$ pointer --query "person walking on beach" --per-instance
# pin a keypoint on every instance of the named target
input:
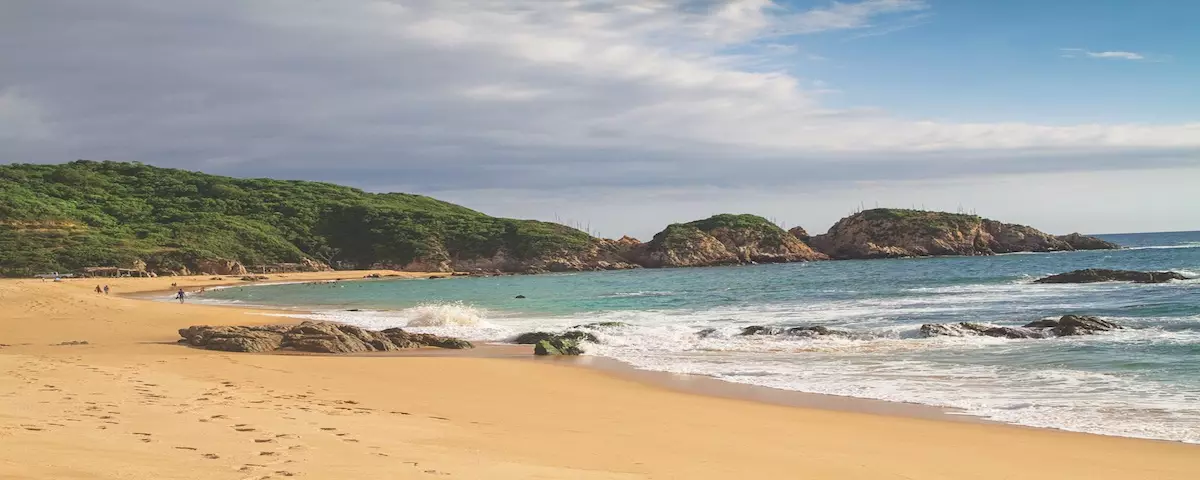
(180, 295)
(98, 290)
(106, 289)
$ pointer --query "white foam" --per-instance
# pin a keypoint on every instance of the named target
(1161, 247)
(444, 314)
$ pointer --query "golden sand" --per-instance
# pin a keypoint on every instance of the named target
(133, 404)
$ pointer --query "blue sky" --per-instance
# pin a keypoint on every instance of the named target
(631, 114)
(989, 60)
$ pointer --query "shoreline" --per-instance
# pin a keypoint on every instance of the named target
(696, 384)
(133, 401)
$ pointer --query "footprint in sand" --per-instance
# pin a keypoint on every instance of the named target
(246, 429)
(185, 448)
(264, 440)
(211, 456)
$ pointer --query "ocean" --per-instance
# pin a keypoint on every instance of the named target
(1142, 381)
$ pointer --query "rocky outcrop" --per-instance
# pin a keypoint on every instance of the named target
(1094, 275)
(533, 338)
(320, 337)
(1084, 242)
(967, 329)
(1067, 325)
(812, 331)
(722, 240)
(599, 254)
(893, 233)
(557, 346)
(800, 233)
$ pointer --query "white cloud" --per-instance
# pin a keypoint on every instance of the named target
(1118, 55)
(538, 94)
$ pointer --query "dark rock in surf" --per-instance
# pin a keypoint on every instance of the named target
(1066, 326)
(1094, 275)
(799, 331)
(519, 296)
(810, 331)
(596, 325)
(532, 338)
(557, 346)
(708, 332)
(1070, 325)
(968, 329)
(761, 330)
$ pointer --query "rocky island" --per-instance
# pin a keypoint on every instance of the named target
(722, 240)
(895, 233)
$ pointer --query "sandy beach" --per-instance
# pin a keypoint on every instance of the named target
(131, 403)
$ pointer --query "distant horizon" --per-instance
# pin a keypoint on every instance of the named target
(645, 237)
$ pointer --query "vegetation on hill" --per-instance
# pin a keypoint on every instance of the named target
(85, 213)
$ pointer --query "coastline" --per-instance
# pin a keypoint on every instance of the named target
(475, 416)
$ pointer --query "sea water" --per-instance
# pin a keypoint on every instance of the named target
(1142, 381)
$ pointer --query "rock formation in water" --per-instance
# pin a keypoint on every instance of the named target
(893, 233)
(1067, 325)
(533, 338)
(557, 346)
(320, 337)
(722, 240)
(1084, 242)
(1094, 275)
(812, 331)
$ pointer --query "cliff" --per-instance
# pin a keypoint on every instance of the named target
(891, 233)
(722, 240)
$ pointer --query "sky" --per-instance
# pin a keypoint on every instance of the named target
(622, 116)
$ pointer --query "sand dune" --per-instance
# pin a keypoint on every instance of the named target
(132, 404)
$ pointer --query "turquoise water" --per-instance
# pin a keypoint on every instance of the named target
(1143, 381)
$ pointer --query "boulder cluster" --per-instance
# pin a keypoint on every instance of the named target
(319, 337)
(1094, 275)
(1066, 326)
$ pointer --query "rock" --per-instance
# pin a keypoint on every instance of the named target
(800, 234)
(557, 346)
(218, 266)
(519, 296)
(761, 330)
(1070, 325)
(722, 240)
(235, 339)
(708, 332)
(405, 339)
(810, 331)
(1084, 242)
(967, 329)
(596, 325)
(325, 337)
(532, 338)
(321, 337)
(1093, 275)
(893, 233)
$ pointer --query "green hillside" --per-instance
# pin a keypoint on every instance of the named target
(84, 213)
